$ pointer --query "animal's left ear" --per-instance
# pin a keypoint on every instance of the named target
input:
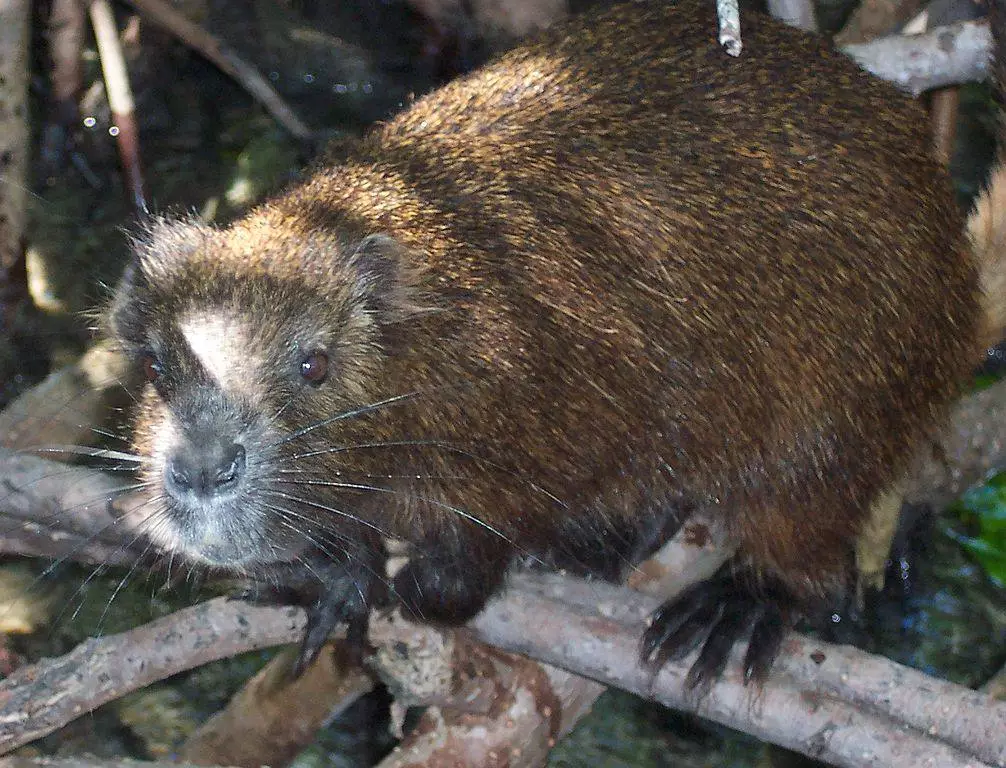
(123, 318)
(387, 281)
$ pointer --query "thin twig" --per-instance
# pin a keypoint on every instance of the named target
(226, 59)
(120, 99)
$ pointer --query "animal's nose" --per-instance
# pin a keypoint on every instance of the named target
(205, 470)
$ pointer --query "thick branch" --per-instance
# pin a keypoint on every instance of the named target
(813, 703)
(835, 703)
(55, 510)
(41, 698)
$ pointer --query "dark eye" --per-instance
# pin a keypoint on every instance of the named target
(152, 368)
(314, 368)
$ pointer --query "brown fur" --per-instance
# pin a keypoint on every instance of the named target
(621, 272)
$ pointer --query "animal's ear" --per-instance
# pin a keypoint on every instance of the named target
(124, 318)
(165, 244)
(387, 280)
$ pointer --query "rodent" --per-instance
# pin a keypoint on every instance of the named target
(611, 276)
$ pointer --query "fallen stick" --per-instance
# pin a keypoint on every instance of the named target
(883, 714)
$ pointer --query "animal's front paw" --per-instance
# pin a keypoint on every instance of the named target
(344, 600)
(716, 614)
(331, 592)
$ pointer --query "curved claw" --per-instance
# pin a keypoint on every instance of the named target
(734, 623)
(766, 639)
(344, 601)
(679, 627)
(716, 614)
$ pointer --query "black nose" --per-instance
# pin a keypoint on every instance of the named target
(205, 470)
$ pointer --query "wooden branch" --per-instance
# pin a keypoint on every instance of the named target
(70, 404)
(49, 509)
(41, 698)
(943, 112)
(834, 703)
(837, 703)
(120, 99)
(948, 55)
(728, 14)
(274, 717)
(968, 451)
(485, 707)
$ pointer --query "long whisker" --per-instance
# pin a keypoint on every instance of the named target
(309, 476)
(335, 449)
(397, 492)
(275, 416)
(103, 567)
(324, 508)
(108, 434)
(284, 514)
(121, 584)
(381, 444)
(90, 452)
(362, 410)
(86, 540)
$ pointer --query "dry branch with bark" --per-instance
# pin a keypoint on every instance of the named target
(833, 702)
(14, 24)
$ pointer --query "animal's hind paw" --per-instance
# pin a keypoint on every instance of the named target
(716, 614)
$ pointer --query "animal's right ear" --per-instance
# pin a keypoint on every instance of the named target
(165, 244)
(161, 250)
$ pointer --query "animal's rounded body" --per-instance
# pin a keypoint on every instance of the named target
(613, 273)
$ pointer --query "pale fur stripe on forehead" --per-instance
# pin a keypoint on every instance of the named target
(219, 340)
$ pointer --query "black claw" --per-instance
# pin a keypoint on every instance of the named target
(310, 646)
(344, 601)
(333, 592)
(766, 639)
(716, 614)
(669, 625)
(732, 626)
(692, 632)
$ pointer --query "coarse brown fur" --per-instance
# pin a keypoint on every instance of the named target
(612, 273)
